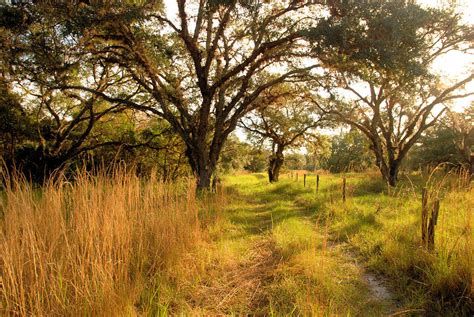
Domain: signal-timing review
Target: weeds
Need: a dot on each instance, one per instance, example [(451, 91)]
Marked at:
[(386, 231)]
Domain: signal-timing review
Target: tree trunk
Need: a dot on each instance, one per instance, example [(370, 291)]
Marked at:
[(204, 179), (393, 173), (202, 166), (275, 164), (388, 167), (389, 172), (270, 172), (471, 167)]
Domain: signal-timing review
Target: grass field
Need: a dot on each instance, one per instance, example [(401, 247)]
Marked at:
[(331, 251), (125, 246)]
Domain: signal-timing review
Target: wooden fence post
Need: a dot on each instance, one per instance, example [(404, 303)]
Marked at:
[(424, 214), (304, 180), (344, 189), (432, 224), (296, 176), (317, 183)]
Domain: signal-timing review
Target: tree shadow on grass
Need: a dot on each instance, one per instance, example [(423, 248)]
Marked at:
[(356, 224), (357, 187), (260, 212)]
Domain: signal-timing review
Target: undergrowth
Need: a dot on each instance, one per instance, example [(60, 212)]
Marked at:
[(383, 226)]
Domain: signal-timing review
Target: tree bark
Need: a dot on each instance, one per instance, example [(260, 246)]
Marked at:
[(275, 164), (393, 173), (389, 171), (203, 166), (388, 167), (204, 179)]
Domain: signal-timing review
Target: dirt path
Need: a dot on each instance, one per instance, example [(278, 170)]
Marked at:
[(376, 284), (241, 286), (272, 259)]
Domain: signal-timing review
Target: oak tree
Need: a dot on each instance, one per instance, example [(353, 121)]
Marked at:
[(285, 116), (45, 128), (380, 55), (202, 67)]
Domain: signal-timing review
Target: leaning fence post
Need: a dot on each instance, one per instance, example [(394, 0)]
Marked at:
[(424, 214), (432, 225), (317, 183), (304, 180), (344, 189)]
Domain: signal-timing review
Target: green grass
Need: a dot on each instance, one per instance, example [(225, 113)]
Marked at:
[(271, 253), (318, 249), (385, 231)]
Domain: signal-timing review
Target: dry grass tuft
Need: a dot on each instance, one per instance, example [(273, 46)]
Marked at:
[(239, 287), (91, 246)]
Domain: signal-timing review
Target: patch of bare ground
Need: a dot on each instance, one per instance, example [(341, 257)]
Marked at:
[(378, 286), (239, 287)]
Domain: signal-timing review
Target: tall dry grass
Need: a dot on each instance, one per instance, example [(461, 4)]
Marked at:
[(90, 246)]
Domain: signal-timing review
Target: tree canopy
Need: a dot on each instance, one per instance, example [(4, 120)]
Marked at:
[(382, 82), (79, 68)]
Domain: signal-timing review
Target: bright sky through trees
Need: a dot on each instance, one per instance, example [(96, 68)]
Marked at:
[(456, 64), (452, 66)]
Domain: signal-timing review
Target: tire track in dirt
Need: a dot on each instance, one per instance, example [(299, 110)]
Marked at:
[(242, 286)]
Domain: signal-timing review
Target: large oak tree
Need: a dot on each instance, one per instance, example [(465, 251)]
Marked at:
[(44, 128), (202, 67), (382, 82)]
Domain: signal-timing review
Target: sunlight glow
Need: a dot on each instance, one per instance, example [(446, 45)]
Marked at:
[(455, 65)]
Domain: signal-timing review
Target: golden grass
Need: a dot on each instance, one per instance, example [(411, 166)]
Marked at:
[(117, 245), (91, 246)]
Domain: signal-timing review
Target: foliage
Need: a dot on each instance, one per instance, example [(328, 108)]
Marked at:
[(295, 161), (450, 141), (258, 160), (201, 71), (78, 66), (318, 150), (235, 156), (434, 148), (286, 118), (381, 53), (349, 153), (46, 127)]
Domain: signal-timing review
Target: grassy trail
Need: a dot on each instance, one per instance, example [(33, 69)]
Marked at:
[(124, 246), (274, 256)]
